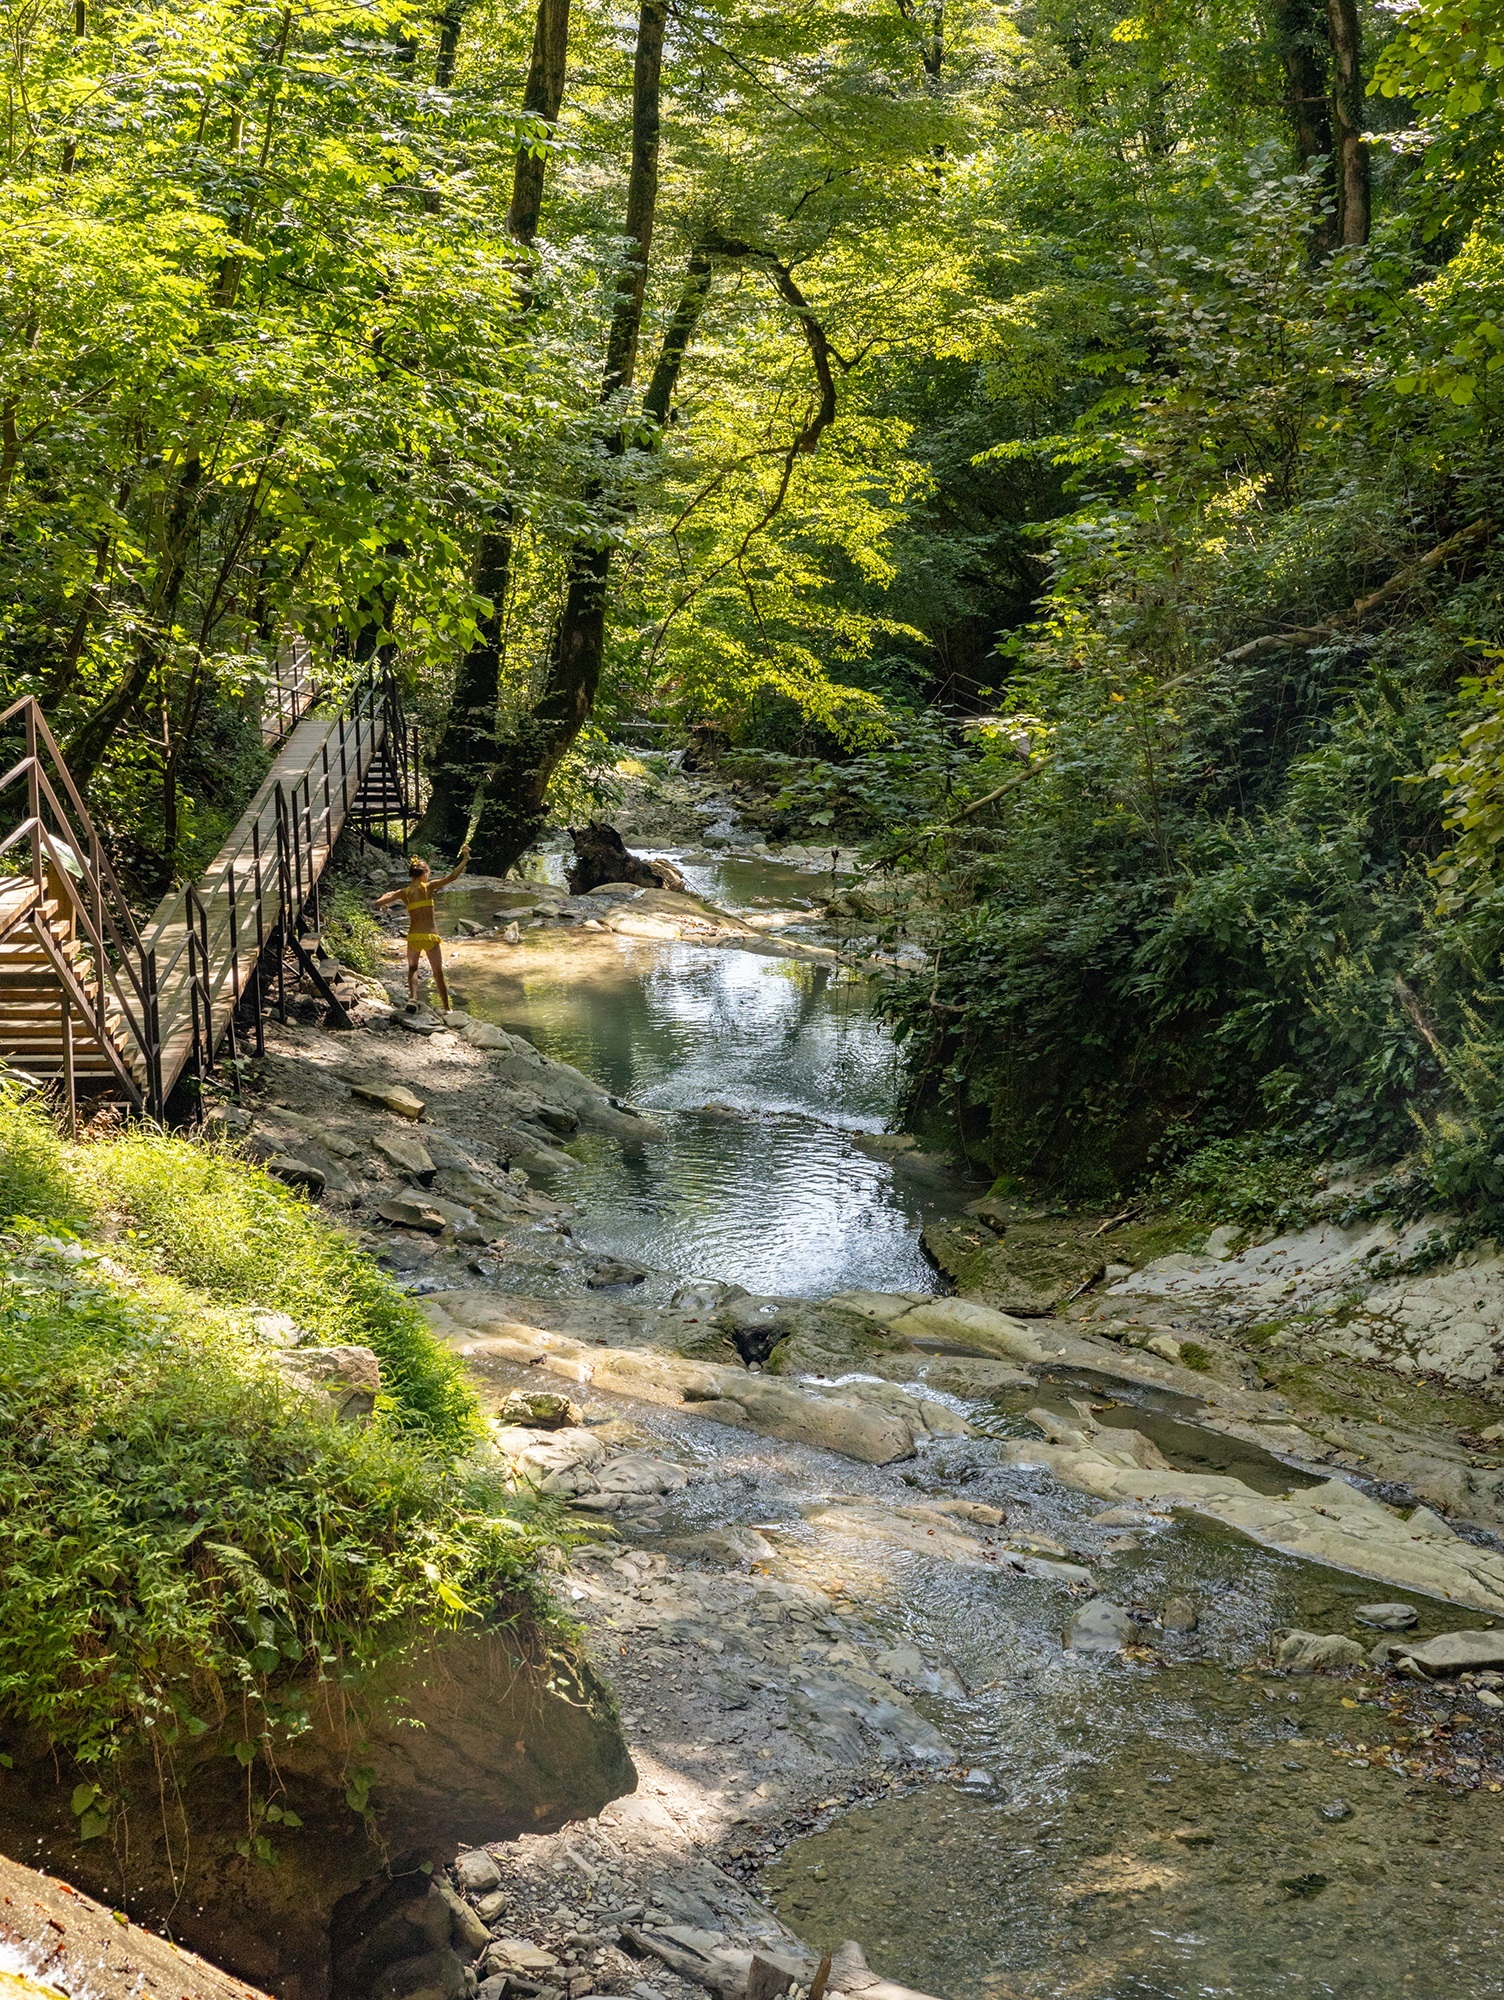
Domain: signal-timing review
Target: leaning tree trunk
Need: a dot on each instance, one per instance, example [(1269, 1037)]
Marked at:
[(461, 762), (512, 816)]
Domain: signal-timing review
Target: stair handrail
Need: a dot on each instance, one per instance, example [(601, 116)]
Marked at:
[(273, 863), (98, 907), (223, 924)]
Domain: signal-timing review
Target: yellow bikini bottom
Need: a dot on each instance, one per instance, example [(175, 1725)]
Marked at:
[(422, 940)]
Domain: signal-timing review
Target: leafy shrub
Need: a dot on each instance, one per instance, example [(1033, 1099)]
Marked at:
[(34, 1177), (183, 1536)]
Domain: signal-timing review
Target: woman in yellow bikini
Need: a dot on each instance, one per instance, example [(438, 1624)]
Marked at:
[(422, 924)]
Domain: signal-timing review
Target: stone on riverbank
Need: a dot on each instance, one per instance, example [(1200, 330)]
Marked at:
[(475, 1325), (347, 1378), (1033, 1269), (1312, 1652), (394, 1097), (1455, 1652), (1331, 1523), (1100, 1626)]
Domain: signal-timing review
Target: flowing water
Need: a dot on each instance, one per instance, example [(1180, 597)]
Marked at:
[(767, 1073), (1167, 1826)]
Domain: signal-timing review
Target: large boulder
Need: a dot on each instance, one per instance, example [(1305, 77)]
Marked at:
[(601, 855), (464, 1741)]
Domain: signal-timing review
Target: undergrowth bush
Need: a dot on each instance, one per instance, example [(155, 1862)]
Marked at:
[(349, 930), (213, 1221), (187, 1541)]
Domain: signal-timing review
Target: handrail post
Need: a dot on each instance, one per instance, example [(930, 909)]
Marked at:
[(284, 897), (260, 972), (33, 791), (153, 1049), (68, 1086)]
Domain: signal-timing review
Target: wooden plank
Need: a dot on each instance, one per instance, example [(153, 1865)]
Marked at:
[(15, 901)]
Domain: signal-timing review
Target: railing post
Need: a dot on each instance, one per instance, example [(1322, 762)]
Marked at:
[(260, 972), (284, 898), (34, 793), (153, 1050), (234, 942), (68, 1088)]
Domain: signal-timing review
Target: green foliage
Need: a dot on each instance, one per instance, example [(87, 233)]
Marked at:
[(186, 1542), (1258, 1181), (35, 1182), (211, 1221), (349, 930)]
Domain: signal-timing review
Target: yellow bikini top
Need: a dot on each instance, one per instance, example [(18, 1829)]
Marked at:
[(417, 898)]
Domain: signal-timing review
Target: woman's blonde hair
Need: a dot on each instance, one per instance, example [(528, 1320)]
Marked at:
[(417, 865)]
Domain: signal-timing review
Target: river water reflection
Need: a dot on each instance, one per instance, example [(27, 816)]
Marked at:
[(764, 1072)]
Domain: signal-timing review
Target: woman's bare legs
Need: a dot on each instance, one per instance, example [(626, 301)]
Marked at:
[(412, 978), (436, 965)]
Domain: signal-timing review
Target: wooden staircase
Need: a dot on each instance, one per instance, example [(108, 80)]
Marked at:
[(93, 1004)]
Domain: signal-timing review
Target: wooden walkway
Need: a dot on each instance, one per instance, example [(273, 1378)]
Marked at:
[(87, 998)]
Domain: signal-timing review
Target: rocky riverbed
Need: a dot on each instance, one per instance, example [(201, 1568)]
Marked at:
[(1064, 1651)]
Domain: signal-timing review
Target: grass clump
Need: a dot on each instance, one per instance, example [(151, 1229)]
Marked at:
[(210, 1220), (186, 1541)]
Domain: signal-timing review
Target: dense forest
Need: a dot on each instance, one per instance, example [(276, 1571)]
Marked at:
[(1066, 435)]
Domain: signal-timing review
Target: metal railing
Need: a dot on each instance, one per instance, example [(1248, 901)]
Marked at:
[(288, 697), (111, 988), (162, 998), (220, 939)]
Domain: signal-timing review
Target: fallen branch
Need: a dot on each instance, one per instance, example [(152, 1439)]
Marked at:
[(1312, 635)]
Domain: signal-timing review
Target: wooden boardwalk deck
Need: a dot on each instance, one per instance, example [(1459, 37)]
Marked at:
[(86, 996)]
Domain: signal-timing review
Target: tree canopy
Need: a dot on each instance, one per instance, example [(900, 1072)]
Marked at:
[(826, 376)]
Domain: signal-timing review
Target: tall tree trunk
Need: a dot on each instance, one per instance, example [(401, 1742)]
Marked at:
[(541, 99), (659, 393), (1300, 35), (1353, 200), (513, 812), (449, 41), (462, 759)]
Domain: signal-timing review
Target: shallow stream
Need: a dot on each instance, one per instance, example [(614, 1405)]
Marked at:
[(1177, 1823), (767, 1073)]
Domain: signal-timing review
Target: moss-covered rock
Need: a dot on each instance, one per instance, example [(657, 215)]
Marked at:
[(824, 1340), (1032, 1269)]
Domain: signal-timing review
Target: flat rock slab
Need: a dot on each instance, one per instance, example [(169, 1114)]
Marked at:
[(474, 1324), (1332, 1523), (1457, 1652), (85, 1948), (1038, 1343)]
